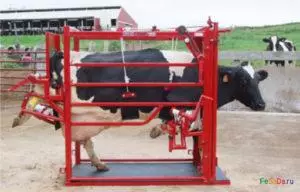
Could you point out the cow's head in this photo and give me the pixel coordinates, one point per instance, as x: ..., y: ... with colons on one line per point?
x: 243, y: 82
x: 273, y: 43
x: 56, y: 67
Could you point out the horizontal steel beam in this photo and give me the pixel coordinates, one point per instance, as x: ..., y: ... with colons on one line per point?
x: 259, y: 55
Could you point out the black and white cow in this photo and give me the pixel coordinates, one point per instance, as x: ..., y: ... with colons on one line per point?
x: 276, y: 44
x: 239, y: 83
x: 235, y: 83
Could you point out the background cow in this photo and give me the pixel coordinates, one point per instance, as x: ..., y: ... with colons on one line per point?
x: 239, y: 83
x: 279, y: 44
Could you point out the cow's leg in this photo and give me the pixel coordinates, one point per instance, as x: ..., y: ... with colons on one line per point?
x: 162, y: 128
x: 89, y: 147
x: 20, y: 119
x: 158, y: 130
x: 24, y: 117
x: 267, y: 62
x: 292, y: 63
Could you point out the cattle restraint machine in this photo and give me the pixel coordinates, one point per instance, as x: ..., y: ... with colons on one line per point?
x: 201, y: 169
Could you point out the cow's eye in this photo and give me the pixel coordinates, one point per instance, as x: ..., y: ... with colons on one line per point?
x: 244, y: 82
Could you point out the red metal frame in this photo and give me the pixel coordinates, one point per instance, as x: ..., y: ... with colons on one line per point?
x: 203, y: 45
x: 205, y: 52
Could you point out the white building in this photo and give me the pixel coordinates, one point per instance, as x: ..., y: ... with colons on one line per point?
x: 34, y: 21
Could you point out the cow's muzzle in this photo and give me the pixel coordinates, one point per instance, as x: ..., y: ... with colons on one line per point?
x: 258, y: 106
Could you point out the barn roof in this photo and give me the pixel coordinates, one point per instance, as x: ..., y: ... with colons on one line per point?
x: 104, y: 13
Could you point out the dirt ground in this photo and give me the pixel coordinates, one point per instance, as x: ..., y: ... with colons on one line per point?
x: 250, y: 146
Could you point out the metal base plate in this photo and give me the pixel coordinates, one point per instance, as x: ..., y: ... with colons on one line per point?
x: 142, y: 173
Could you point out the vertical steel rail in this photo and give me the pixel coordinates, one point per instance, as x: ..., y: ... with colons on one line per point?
x: 67, y: 104
x: 57, y: 48
x: 77, y: 144
x: 207, y: 87
x: 76, y: 44
x: 47, y: 57
x: 57, y: 42
x: 211, y: 114
x: 197, y: 147
x: 214, y: 51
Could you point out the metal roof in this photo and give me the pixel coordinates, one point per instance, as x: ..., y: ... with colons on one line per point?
x: 104, y: 13
x: 60, y: 9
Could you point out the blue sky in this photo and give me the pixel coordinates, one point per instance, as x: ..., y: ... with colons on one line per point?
x: 171, y: 13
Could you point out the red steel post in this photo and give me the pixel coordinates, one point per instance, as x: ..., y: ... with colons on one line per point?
x: 47, y: 57
x: 205, y: 164
x: 67, y: 104
x: 76, y: 43
x: 214, y: 51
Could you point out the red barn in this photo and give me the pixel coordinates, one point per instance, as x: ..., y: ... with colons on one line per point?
x: 34, y: 21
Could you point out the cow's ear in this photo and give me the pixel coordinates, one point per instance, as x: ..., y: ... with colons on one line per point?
x: 60, y: 55
x: 225, y: 75
x: 282, y: 39
x: 262, y: 75
x: 266, y: 40
x: 245, y: 63
x: 225, y: 78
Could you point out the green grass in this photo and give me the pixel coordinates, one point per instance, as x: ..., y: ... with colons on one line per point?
x: 10, y: 65
x: 26, y: 40
x: 239, y: 39
x: 250, y: 38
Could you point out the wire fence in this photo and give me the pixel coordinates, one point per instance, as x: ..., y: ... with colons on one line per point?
x: 16, y: 65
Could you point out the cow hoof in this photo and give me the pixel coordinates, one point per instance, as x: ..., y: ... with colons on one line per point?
x: 101, y: 167
x: 16, y: 122
x: 155, y: 132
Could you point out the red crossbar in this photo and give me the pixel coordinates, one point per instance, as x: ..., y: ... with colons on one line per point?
x: 109, y: 123
x: 22, y: 61
x: 42, y: 116
x: 19, y: 84
x: 133, y: 104
x: 144, y: 84
x: 17, y: 51
x: 135, y: 64
x: 16, y: 69
x: 129, y: 35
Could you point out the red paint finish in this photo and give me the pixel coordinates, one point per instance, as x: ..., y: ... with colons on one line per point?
x: 124, y: 19
x: 97, y: 25
x: 77, y: 48
x: 203, y: 47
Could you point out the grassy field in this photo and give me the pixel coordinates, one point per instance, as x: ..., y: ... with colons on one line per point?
x: 239, y: 39
x: 26, y: 40
x: 250, y: 38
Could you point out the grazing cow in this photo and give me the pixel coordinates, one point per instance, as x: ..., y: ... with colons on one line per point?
x: 279, y: 44
x: 239, y: 83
